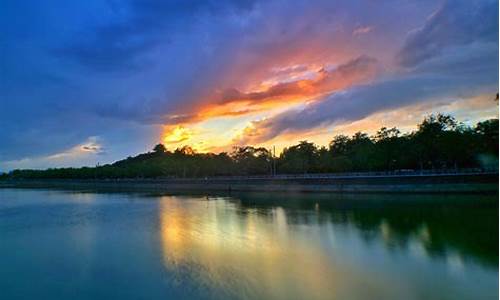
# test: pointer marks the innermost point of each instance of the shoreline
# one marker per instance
(431, 183)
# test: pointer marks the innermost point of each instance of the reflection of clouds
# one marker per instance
(248, 252)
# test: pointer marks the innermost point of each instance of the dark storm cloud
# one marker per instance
(48, 105)
(147, 23)
(456, 23)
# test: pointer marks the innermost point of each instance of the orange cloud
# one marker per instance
(293, 85)
(232, 102)
(354, 71)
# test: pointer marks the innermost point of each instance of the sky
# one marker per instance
(91, 82)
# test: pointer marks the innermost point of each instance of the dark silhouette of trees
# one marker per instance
(251, 160)
(300, 158)
(487, 132)
(431, 140)
(160, 148)
(388, 148)
(439, 142)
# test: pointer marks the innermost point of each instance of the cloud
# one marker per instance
(455, 23)
(350, 106)
(91, 146)
(354, 71)
(472, 71)
(232, 102)
(87, 151)
(467, 110)
(362, 30)
(121, 69)
(140, 26)
(454, 54)
(175, 61)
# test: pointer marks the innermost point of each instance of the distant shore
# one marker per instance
(486, 182)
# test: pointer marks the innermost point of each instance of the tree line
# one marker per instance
(439, 142)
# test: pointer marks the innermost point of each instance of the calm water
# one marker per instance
(73, 245)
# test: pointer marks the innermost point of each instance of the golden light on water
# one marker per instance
(250, 253)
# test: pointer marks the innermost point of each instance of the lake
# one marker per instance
(89, 245)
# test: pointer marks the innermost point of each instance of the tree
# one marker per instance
(185, 150)
(338, 146)
(439, 142)
(251, 160)
(300, 158)
(360, 150)
(388, 149)
(487, 132)
(487, 143)
(159, 148)
(429, 140)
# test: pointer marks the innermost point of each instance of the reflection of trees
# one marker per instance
(462, 224)
(469, 232)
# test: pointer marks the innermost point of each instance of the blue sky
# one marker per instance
(83, 82)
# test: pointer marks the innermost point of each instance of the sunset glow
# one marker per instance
(225, 74)
(249, 149)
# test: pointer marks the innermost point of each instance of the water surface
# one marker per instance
(86, 245)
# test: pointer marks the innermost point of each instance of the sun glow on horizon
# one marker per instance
(221, 134)
(176, 134)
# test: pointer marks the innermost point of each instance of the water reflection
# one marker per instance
(441, 225)
(73, 245)
(260, 246)
(234, 250)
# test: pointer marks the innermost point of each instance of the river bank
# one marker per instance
(426, 183)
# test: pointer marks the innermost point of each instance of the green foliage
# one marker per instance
(439, 142)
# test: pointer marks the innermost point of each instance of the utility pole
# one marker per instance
(274, 160)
